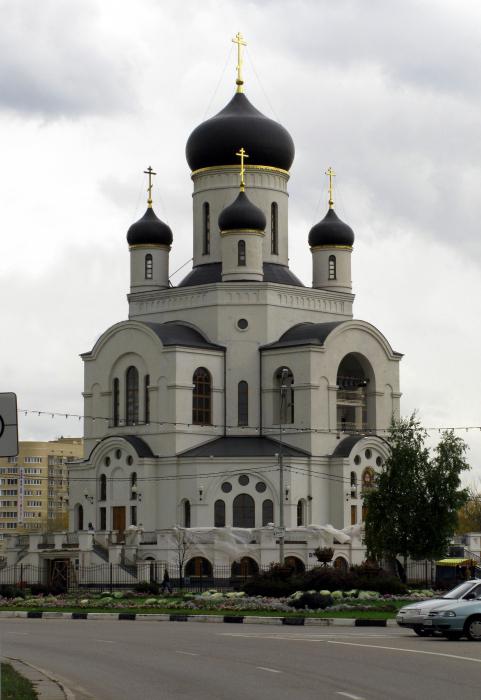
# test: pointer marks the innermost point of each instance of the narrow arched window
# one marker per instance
(103, 488)
(115, 401)
(202, 397)
(149, 267)
(146, 398)
(133, 486)
(332, 267)
(267, 512)
(301, 512)
(80, 518)
(274, 229)
(132, 396)
(243, 511)
(284, 395)
(243, 403)
(206, 228)
(241, 253)
(219, 513)
(186, 513)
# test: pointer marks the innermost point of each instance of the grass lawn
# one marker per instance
(14, 686)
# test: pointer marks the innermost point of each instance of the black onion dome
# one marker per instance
(149, 230)
(331, 231)
(242, 214)
(240, 125)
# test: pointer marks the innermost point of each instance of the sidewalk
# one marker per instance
(46, 686)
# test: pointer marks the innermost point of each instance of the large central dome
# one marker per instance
(240, 125)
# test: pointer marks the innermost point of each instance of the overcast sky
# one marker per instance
(385, 91)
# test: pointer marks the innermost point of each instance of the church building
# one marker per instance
(240, 403)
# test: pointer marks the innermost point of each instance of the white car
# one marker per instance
(413, 615)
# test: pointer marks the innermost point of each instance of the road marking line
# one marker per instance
(408, 651)
(310, 638)
(265, 668)
(349, 695)
(187, 653)
(106, 641)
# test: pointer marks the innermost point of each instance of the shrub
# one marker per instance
(147, 587)
(313, 601)
(7, 591)
(278, 582)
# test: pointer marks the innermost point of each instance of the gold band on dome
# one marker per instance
(336, 247)
(140, 246)
(230, 231)
(234, 168)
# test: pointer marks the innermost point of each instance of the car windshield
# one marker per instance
(459, 591)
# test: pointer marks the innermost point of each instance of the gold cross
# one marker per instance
(330, 173)
(239, 40)
(149, 172)
(242, 154)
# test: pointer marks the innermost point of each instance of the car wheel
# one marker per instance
(422, 631)
(453, 636)
(472, 628)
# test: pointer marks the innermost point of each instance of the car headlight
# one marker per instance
(448, 613)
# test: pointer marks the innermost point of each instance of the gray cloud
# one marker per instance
(56, 61)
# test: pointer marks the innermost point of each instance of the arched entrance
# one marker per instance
(340, 564)
(296, 564)
(244, 568)
(198, 567)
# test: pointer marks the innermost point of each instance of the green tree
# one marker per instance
(413, 510)
(469, 515)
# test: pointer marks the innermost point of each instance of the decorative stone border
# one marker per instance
(229, 619)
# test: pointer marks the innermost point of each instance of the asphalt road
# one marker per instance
(127, 660)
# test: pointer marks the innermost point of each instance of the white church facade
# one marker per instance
(238, 402)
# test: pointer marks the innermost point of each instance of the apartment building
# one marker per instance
(34, 486)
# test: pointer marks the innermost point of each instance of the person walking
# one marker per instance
(166, 583)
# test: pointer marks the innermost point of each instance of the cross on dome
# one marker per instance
(239, 40)
(149, 172)
(242, 154)
(330, 174)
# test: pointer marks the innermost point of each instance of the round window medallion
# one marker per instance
(107, 461)
(226, 487)
(118, 454)
(378, 461)
(368, 454)
(242, 323)
(357, 459)
(260, 487)
(130, 460)
(243, 480)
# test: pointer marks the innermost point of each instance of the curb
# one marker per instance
(229, 619)
(46, 686)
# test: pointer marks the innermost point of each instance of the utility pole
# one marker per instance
(282, 403)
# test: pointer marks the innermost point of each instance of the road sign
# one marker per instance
(8, 425)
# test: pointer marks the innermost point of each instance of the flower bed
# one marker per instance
(215, 601)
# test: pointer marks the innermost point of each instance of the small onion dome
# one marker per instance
(242, 215)
(331, 231)
(215, 141)
(149, 230)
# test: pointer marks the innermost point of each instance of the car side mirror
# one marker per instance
(470, 596)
